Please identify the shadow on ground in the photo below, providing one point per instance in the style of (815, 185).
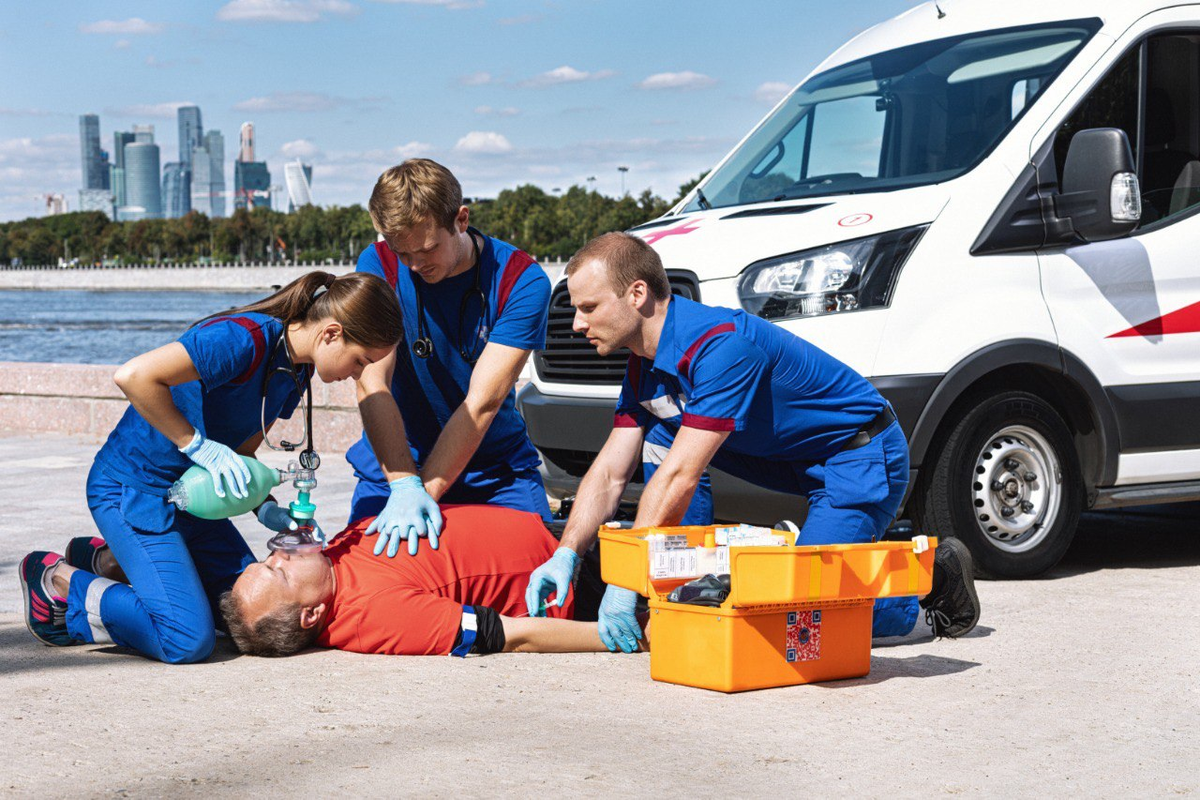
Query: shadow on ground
(1143, 537)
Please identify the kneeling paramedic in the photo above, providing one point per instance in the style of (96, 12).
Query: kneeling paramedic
(716, 386)
(206, 399)
(439, 415)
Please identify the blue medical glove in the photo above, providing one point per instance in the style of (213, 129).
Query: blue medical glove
(221, 463)
(618, 620)
(410, 514)
(553, 576)
(274, 517)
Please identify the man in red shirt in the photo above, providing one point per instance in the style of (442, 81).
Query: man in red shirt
(468, 596)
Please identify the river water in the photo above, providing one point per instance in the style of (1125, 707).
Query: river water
(91, 327)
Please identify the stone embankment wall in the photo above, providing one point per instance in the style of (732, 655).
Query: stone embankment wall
(82, 400)
(213, 277)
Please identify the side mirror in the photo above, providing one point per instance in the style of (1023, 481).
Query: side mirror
(1100, 196)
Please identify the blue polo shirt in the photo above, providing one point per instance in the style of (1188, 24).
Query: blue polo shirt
(232, 355)
(782, 398)
(428, 390)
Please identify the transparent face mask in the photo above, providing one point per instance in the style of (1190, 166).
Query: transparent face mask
(298, 541)
(303, 539)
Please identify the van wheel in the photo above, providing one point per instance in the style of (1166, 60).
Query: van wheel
(1006, 481)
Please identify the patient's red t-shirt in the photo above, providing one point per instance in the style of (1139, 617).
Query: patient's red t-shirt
(413, 605)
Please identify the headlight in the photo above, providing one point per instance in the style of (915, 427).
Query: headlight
(839, 277)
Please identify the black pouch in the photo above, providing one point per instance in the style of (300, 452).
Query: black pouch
(711, 591)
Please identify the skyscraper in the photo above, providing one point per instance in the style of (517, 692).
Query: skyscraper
(214, 143)
(298, 178)
(117, 171)
(176, 190)
(94, 160)
(143, 193)
(246, 148)
(251, 185)
(191, 133)
(208, 176)
(143, 133)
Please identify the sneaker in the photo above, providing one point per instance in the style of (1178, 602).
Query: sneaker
(45, 615)
(82, 552)
(952, 608)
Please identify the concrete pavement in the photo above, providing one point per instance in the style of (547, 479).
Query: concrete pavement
(1083, 682)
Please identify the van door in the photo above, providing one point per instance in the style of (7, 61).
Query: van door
(1130, 308)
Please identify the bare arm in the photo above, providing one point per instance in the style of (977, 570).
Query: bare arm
(601, 488)
(147, 380)
(382, 421)
(493, 377)
(251, 445)
(542, 635)
(666, 497)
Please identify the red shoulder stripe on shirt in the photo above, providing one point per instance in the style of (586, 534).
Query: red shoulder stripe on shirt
(708, 423)
(260, 343)
(686, 361)
(391, 264)
(518, 262)
(625, 421)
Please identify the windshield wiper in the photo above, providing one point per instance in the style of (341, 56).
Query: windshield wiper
(702, 200)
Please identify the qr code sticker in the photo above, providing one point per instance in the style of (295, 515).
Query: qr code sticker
(803, 641)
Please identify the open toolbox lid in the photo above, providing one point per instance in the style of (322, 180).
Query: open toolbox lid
(763, 576)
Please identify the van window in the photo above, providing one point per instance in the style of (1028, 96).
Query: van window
(1166, 137)
(907, 117)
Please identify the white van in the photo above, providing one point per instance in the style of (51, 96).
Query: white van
(996, 223)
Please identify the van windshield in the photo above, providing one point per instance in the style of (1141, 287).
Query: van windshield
(908, 117)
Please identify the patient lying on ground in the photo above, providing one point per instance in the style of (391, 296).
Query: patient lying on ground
(468, 596)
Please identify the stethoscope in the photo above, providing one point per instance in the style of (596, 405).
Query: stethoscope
(422, 346)
(308, 456)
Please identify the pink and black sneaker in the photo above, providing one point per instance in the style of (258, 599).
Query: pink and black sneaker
(83, 553)
(45, 614)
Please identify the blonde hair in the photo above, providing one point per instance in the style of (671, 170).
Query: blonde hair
(414, 191)
(626, 258)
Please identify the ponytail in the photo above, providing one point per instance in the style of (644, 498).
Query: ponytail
(363, 304)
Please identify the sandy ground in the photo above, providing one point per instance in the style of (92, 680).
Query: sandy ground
(1084, 682)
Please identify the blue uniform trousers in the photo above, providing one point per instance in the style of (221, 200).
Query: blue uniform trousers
(175, 581)
(523, 491)
(852, 498)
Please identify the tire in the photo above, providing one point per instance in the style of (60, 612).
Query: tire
(994, 460)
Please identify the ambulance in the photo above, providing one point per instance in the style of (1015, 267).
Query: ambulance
(989, 211)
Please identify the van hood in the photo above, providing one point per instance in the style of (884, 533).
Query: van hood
(721, 242)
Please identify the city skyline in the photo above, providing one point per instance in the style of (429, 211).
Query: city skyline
(502, 92)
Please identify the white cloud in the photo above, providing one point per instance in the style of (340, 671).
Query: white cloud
(771, 92)
(483, 143)
(122, 44)
(283, 10)
(455, 4)
(477, 79)
(292, 101)
(566, 74)
(488, 111)
(156, 110)
(32, 166)
(134, 26)
(300, 148)
(677, 80)
(412, 150)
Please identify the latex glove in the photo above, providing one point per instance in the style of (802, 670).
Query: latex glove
(410, 514)
(222, 464)
(618, 620)
(553, 576)
(279, 519)
(274, 517)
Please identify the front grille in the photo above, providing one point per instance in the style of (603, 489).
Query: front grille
(568, 358)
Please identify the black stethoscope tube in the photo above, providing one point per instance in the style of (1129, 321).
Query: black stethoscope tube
(422, 346)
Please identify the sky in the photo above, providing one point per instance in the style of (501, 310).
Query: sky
(504, 92)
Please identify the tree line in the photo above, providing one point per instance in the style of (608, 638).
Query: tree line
(548, 226)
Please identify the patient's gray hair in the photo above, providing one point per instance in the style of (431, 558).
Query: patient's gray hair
(277, 633)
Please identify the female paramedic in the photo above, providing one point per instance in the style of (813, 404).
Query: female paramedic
(203, 399)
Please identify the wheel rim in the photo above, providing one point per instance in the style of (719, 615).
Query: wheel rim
(1017, 488)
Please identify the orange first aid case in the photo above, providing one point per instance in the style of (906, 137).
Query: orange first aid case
(793, 615)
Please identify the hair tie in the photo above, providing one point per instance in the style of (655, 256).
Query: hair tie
(320, 291)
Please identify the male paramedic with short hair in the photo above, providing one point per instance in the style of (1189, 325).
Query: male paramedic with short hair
(439, 416)
(714, 385)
